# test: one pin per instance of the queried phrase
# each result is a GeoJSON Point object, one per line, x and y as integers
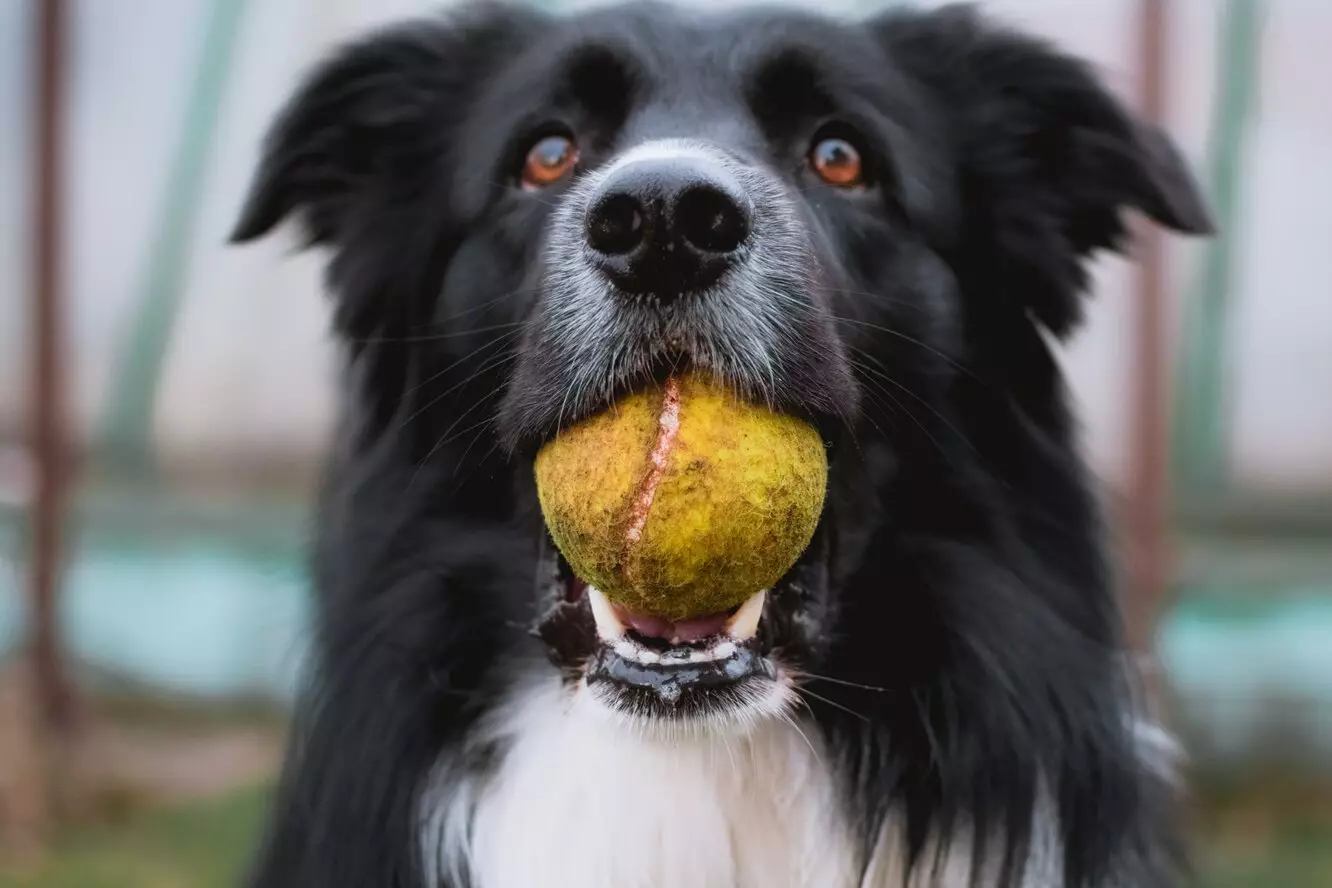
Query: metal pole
{"type": "Point", "coordinates": [137, 375]}
{"type": "Point", "coordinates": [1200, 447]}
{"type": "Point", "coordinates": [47, 395]}
{"type": "Point", "coordinates": [1148, 487]}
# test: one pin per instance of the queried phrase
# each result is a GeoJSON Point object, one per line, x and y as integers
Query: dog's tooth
{"type": "Point", "coordinates": [723, 650]}
{"type": "Point", "coordinates": [609, 627]}
{"type": "Point", "coordinates": [647, 656]}
{"type": "Point", "coordinates": [744, 624]}
{"type": "Point", "coordinates": [626, 650]}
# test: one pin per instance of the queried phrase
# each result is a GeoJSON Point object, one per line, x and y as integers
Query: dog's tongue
{"type": "Point", "coordinates": [692, 629]}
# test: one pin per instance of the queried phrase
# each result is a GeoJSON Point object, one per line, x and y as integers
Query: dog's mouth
{"type": "Point", "coordinates": [644, 666]}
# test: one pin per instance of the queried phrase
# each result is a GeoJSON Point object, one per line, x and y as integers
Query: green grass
{"type": "Point", "coordinates": [1268, 829]}
{"type": "Point", "coordinates": [1292, 862]}
{"type": "Point", "coordinates": [200, 846]}
{"type": "Point", "coordinates": [208, 846]}
{"type": "Point", "coordinates": [1288, 866]}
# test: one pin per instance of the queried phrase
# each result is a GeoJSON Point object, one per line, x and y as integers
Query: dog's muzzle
{"type": "Point", "coordinates": [679, 255]}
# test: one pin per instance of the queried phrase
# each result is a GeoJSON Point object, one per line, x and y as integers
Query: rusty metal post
{"type": "Point", "coordinates": [1147, 531]}
{"type": "Point", "coordinates": [47, 406]}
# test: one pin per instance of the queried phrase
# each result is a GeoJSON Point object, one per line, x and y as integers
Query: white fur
{"type": "Point", "coordinates": [587, 797]}
{"type": "Point", "coordinates": [582, 799]}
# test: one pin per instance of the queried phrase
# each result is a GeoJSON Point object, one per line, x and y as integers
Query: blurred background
{"type": "Point", "coordinates": [153, 598]}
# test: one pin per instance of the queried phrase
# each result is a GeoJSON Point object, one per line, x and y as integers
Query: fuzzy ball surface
{"type": "Point", "coordinates": [683, 500]}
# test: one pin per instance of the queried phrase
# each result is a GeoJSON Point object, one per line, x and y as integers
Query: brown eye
{"type": "Point", "coordinates": [548, 161]}
{"type": "Point", "coordinates": [837, 162]}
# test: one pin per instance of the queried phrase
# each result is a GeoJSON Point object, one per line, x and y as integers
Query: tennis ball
{"type": "Point", "coordinates": [683, 500]}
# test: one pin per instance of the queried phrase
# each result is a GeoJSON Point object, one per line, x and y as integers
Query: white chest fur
{"type": "Point", "coordinates": [581, 801]}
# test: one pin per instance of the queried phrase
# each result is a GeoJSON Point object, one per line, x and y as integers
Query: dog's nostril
{"type": "Point", "coordinates": [710, 220]}
{"type": "Point", "coordinates": [615, 225]}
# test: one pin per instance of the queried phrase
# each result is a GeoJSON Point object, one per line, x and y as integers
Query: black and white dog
{"type": "Point", "coordinates": [879, 225]}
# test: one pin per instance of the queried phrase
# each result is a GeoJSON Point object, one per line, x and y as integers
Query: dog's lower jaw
{"type": "Point", "coordinates": [577, 799]}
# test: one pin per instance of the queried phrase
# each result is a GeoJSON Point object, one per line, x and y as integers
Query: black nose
{"type": "Point", "coordinates": [667, 226]}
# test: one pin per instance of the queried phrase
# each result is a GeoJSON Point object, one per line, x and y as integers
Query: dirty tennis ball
{"type": "Point", "coordinates": [683, 500]}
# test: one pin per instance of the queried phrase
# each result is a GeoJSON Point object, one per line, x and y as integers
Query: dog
{"type": "Point", "coordinates": [879, 225]}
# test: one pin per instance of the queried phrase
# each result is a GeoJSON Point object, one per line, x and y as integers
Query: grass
{"type": "Point", "coordinates": [200, 846]}
{"type": "Point", "coordinates": [208, 846]}
{"type": "Point", "coordinates": [1269, 827]}
{"type": "Point", "coordinates": [1294, 861]}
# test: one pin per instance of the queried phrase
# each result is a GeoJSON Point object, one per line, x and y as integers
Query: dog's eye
{"type": "Point", "coordinates": [837, 162]}
{"type": "Point", "coordinates": [548, 161]}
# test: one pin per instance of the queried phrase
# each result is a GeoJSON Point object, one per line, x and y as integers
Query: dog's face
{"type": "Point", "coordinates": [531, 217]}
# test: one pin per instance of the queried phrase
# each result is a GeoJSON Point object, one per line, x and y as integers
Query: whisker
{"type": "Point", "coordinates": [855, 437]}
{"type": "Point", "coordinates": [481, 433]}
{"type": "Point", "coordinates": [843, 682]}
{"type": "Point", "coordinates": [886, 377]}
{"type": "Point", "coordinates": [474, 426]}
{"type": "Point", "coordinates": [730, 754]}
{"type": "Point", "coordinates": [423, 329]}
{"type": "Point", "coordinates": [480, 462]}
{"type": "Point", "coordinates": [911, 416]}
{"type": "Point", "coordinates": [499, 340]}
{"type": "Point", "coordinates": [444, 439]}
{"type": "Point", "coordinates": [833, 703]}
{"type": "Point", "coordinates": [493, 362]}
{"type": "Point", "coordinates": [911, 339]}
{"type": "Point", "coordinates": [790, 720]}
{"type": "Point", "coordinates": [517, 291]}
{"type": "Point", "coordinates": [879, 298]}
{"type": "Point", "coordinates": [435, 337]}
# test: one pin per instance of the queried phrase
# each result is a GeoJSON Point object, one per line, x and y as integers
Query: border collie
{"type": "Point", "coordinates": [879, 225]}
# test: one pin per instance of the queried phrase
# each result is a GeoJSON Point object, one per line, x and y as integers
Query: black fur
{"type": "Point", "coordinates": [967, 572]}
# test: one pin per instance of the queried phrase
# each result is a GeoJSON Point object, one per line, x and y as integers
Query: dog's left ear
{"type": "Point", "coordinates": [1048, 157]}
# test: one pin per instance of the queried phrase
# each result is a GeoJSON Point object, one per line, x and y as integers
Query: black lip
{"type": "Point", "coordinates": [679, 685]}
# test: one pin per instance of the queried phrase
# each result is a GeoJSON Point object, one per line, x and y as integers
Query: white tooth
{"type": "Point", "coordinates": [626, 650]}
{"type": "Point", "coordinates": [723, 650]}
{"type": "Point", "coordinates": [744, 624]}
{"type": "Point", "coordinates": [647, 656]}
{"type": "Point", "coordinates": [609, 626]}
{"type": "Point", "coordinates": [699, 657]}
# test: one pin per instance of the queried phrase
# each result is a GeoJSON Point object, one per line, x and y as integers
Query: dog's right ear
{"type": "Point", "coordinates": [334, 134]}
{"type": "Point", "coordinates": [383, 103]}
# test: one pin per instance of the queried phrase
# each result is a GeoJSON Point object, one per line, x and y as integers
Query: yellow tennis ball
{"type": "Point", "coordinates": [683, 500]}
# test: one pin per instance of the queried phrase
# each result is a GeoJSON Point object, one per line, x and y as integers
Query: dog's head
{"type": "Point", "coordinates": [866, 223]}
